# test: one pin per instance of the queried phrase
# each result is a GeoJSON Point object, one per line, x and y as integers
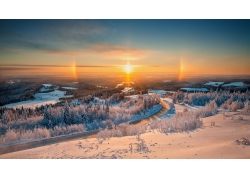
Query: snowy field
{"type": "Point", "coordinates": [215, 142]}
{"type": "Point", "coordinates": [214, 83]}
{"type": "Point", "coordinates": [72, 88]}
{"type": "Point", "coordinates": [196, 89]}
{"type": "Point", "coordinates": [40, 99]}
{"type": "Point", "coordinates": [234, 84]}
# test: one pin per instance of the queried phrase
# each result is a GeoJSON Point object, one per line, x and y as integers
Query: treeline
{"type": "Point", "coordinates": [94, 114]}
{"type": "Point", "coordinates": [180, 122]}
{"type": "Point", "coordinates": [16, 92]}
{"type": "Point", "coordinates": [98, 113]}
{"type": "Point", "coordinates": [14, 114]}
{"type": "Point", "coordinates": [201, 98]}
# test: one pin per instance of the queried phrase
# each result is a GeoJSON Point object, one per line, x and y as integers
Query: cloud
{"type": "Point", "coordinates": [118, 52]}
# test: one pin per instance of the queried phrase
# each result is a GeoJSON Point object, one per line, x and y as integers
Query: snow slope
{"type": "Point", "coordinates": [217, 142]}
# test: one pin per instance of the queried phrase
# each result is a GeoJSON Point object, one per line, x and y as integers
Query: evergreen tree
{"type": "Point", "coordinates": [45, 115]}
{"type": "Point", "coordinates": [66, 118]}
{"type": "Point", "coordinates": [24, 114]}
{"type": "Point", "coordinates": [4, 118]}
{"type": "Point", "coordinates": [77, 119]}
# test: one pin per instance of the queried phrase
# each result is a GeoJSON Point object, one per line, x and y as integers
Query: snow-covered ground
{"type": "Point", "coordinates": [128, 89]}
{"type": "Point", "coordinates": [215, 142]}
{"type": "Point", "coordinates": [72, 88]}
{"type": "Point", "coordinates": [234, 84]}
{"type": "Point", "coordinates": [118, 85]}
{"type": "Point", "coordinates": [177, 108]}
{"type": "Point", "coordinates": [40, 99]}
{"type": "Point", "coordinates": [134, 97]}
{"type": "Point", "coordinates": [196, 89]}
{"type": "Point", "coordinates": [47, 85]}
{"type": "Point", "coordinates": [161, 92]}
{"type": "Point", "coordinates": [214, 83]}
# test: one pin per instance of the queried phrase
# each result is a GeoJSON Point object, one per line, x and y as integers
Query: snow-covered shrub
{"type": "Point", "coordinates": [76, 128]}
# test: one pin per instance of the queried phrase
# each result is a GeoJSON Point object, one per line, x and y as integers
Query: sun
{"type": "Point", "coordinates": [128, 68]}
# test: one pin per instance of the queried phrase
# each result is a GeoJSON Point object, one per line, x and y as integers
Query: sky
{"type": "Point", "coordinates": [83, 47]}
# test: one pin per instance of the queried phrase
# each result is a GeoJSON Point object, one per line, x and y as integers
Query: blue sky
{"type": "Point", "coordinates": [201, 45]}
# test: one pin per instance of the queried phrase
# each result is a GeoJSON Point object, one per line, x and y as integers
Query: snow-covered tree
{"type": "Point", "coordinates": [24, 114]}
{"type": "Point", "coordinates": [67, 119]}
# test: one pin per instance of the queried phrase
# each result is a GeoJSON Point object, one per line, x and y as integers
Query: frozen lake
{"type": "Point", "coordinates": [40, 99]}
{"type": "Point", "coordinates": [162, 92]}
{"type": "Point", "coordinates": [196, 89]}
{"type": "Point", "coordinates": [214, 83]}
{"type": "Point", "coordinates": [235, 84]}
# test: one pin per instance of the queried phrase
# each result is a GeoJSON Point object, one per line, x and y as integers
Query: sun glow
{"type": "Point", "coordinates": [128, 68]}
{"type": "Point", "coordinates": [74, 71]}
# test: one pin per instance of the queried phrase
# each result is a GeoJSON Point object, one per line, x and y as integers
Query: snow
{"type": "Point", "coordinates": [101, 86]}
{"type": "Point", "coordinates": [133, 97]}
{"type": "Point", "coordinates": [47, 85]}
{"type": "Point", "coordinates": [74, 101]}
{"type": "Point", "coordinates": [128, 89]}
{"type": "Point", "coordinates": [118, 85]}
{"type": "Point", "coordinates": [40, 99]}
{"type": "Point", "coordinates": [72, 88]}
{"type": "Point", "coordinates": [234, 84]}
{"type": "Point", "coordinates": [157, 91]}
{"type": "Point", "coordinates": [177, 108]}
{"type": "Point", "coordinates": [122, 84]}
{"type": "Point", "coordinates": [214, 83]}
{"type": "Point", "coordinates": [196, 89]}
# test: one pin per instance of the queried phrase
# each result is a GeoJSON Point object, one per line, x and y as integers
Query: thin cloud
{"type": "Point", "coordinates": [118, 52]}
